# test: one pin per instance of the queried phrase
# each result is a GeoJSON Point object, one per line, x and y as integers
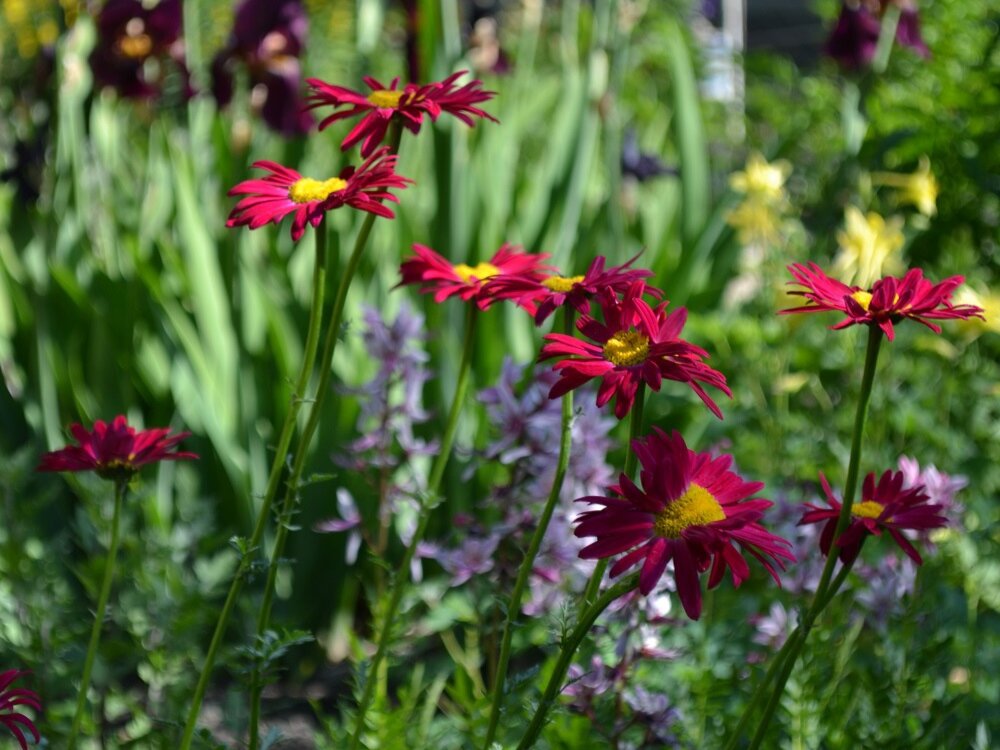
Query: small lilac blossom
{"type": "Point", "coordinates": [392, 400]}
{"type": "Point", "coordinates": [774, 628]}
{"type": "Point", "coordinates": [802, 577]}
{"type": "Point", "coordinates": [583, 686]}
{"type": "Point", "coordinates": [883, 588]}
{"type": "Point", "coordinates": [474, 557]}
{"type": "Point", "coordinates": [350, 520]}
{"type": "Point", "coordinates": [653, 710]}
{"type": "Point", "coordinates": [941, 488]}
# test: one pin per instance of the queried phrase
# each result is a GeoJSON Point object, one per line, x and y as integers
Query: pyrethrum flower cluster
{"type": "Point", "coordinates": [284, 191]}
{"type": "Point", "coordinates": [115, 451]}
{"type": "Point", "coordinates": [635, 344]}
{"type": "Point", "coordinates": [691, 510]}
{"type": "Point", "coordinates": [886, 505]}
{"type": "Point", "coordinates": [890, 300]}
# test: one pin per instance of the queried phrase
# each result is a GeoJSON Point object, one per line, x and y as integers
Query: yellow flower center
{"type": "Point", "coordinates": [561, 283]}
{"type": "Point", "coordinates": [481, 271]}
{"type": "Point", "coordinates": [308, 190]}
{"type": "Point", "coordinates": [627, 348]}
{"type": "Point", "coordinates": [135, 43]}
{"type": "Point", "coordinates": [862, 298]}
{"type": "Point", "coordinates": [867, 509]}
{"type": "Point", "coordinates": [696, 507]}
{"type": "Point", "coordinates": [384, 98]}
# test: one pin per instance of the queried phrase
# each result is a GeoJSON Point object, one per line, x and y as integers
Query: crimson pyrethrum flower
{"type": "Point", "coordinates": [115, 451]}
{"type": "Point", "coordinates": [552, 292]}
{"type": "Point", "coordinates": [636, 344]}
{"type": "Point", "coordinates": [884, 506]}
{"type": "Point", "coordinates": [471, 283]}
{"type": "Point", "coordinates": [285, 191]}
{"type": "Point", "coordinates": [691, 509]}
{"type": "Point", "coordinates": [889, 301]}
{"type": "Point", "coordinates": [408, 105]}
{"type": "Point", "coordinates": [10, 699]}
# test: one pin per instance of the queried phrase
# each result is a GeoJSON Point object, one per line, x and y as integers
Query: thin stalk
{"type": "Point", "coordinates": [121, 486]}
{"type": "Point", "coordinates": [301, 454]}
{"type": "Point", "coordinates": [631, 460]}
{"type": "Point", "coordinates": [566, 653]}
{"type": "Point", "coordinates": [825, 591]}
{"type": "Point", "coordinates": [514, 606]}
{"type": "Point", "coordinates": [312, 343]}
{"type": "Point", "coordinates": [430, 501]}
{"type": "Point", "coordinates": [280, 456]}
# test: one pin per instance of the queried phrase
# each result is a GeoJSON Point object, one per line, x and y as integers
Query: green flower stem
{"type": "Point", "coordinates": [886, 38]}
{"type": "Point", "coordinates": [430, 501]}
{"type": "Point", "coordinates": [566, 653]}
{"type": "Point", "coordinates": [514, 606]}
{"type": "Point", "coordinates": [826, 590]}
{"type": "Point", "coordinates": [631, 460]}
{"type": "Point", "coordinates": [298, 463]}
{"type": "Point", "coordinates": [121, 487]}
{"type": "Point", "coordinates": [284, 443]}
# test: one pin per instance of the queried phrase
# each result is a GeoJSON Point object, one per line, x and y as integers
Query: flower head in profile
{"type": "Point", "coordinates": [889, 301]}
{"type": "Point", "coordinates": [555, 291]}
{"type": "Point", "coordinates": [408, 105]}
{"type": "Point", "coordinates": [691, 510]}
{"type": "Point", "coordinates": [869, 247]}
{"type": "Point", "coordinates": [634, 345]}
{"type": "Point", "coordinates": [919, 189]}
{"type": "Point", "coordinates": [116, 450]}
{"type": "Point", "coordinates": [439, 276]}
{"type": "Point", "coordinates": [268, 38]}
{"type": "Point", "coordinates": [131, 35]}
{"type": "Point", "coordinates": [284, 191]}
{"type": "Point", "coordinates": [884, 506]}
{"type": "Point", "coordinates": [11, 699]}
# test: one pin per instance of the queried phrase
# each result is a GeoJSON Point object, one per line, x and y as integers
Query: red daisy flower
{"type": "Point", "coordinates": [471, 283]}
{"type": "Point", "coordinates": [635, 344]}
{"type": "Point", "coordinates": [889, 301]}
{"type": "Point", "coordinates": [10, 699]}
{"type": "Point", "coordinates": [409, 104]}
{"type": "Point", "coordinates": [691, 509]}
{"type": "Point", "coordinates": [556, 291]}
{"type": "Point", "coordinates": [115, 451]}
{"type": "Point", "coordinates": [886, 505]}
{"type": "Point", "coordinates": [285, 191]}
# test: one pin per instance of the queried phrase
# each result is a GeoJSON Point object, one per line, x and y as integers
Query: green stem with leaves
{"type": "Point", "coordinates": [514, 606]}
{"type": "Point", "coordinates": [631, 461]}
{"type": "Point", "coordinates": [429, 502]}
{"type": "Point", "coordinates": [280, 457]}
{"type": "Point", "coordinates": [566, 653]}
{"type": "Point", "coordinates": [826, 589]}
{"type": "Point", "coordinates": [121, 487]}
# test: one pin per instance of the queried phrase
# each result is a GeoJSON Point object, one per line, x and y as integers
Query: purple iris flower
{"type": "Point", "coordinates": [268, 37]}
{"type": "Point", "coordinates": [855, 36]}
{"type": "Point", "coordinates": [135, 46]}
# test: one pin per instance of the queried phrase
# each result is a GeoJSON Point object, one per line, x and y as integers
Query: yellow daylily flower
{"type": "Point", "coordinates": [869, 248]}
{"type": "Point", "coordinates": [988, 301]}
{"type": "Point", "coordinates": [762, 180]}
{"type": "Point", "coordinates": [919, 189]}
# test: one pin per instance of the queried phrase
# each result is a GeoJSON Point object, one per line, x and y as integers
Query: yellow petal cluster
{"type": "Point", "coordinates": [869, 248]}
{"type": "Point", "coordinates": [919, 189]}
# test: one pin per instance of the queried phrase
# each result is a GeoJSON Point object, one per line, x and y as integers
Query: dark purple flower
{"type": "Point", "coordinates": [639, 165]}
{"type": "Point", "coordinates": [131, 34]}
{"type": "Point", "coordinates": [853, 40]}
{"type": "Point", "coordinates": [908, 30]}
{"type": "Point", "coordinates": [268, 37]}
